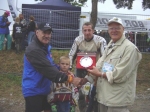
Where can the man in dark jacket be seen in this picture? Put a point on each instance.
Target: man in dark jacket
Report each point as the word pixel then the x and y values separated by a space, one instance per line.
pixel 39 71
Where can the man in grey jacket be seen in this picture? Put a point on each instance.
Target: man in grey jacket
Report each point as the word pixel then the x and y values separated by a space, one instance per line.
pixel 116 71
pixel 86 43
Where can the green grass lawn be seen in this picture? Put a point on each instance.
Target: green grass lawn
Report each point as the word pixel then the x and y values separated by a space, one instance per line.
pixel 12 65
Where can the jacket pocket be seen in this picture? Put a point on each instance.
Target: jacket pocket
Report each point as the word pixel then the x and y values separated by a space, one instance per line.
pixel 114 59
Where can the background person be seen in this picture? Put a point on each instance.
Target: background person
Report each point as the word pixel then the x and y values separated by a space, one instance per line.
pixel 86 43
pixel 24 32
pixel 39 70
pixel 116 71
pixel 31 29
pixel 4 30
pixel 17 34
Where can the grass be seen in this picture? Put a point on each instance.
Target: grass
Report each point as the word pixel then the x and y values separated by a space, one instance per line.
pixel 10 85
pixel 13 63
pixel 144 68
pixel 12 66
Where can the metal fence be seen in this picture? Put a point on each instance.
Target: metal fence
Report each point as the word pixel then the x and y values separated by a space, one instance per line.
pixel 140 39
pixel 68 24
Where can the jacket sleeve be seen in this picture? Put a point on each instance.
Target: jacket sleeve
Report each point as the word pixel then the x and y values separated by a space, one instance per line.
pixel 127 66
pixel 13 33
pixel 73 53
pixel 38 60
pixel 2 23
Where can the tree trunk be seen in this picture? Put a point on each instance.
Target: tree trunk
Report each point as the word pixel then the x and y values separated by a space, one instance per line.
pixel 94 12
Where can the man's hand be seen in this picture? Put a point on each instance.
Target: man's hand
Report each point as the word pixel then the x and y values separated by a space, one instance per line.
pixel 8 23
pixel 94 71
pixel 70 73
pixel 83 81
pixel 76 81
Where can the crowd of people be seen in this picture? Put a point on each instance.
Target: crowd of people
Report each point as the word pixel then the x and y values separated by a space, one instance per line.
pixel 22 32
pixel 45 84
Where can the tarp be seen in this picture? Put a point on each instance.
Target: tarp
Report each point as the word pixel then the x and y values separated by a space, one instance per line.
pixel 63 17
pixel 53 5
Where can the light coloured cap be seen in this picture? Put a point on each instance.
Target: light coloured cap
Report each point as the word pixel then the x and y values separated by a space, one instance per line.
pixel 115 20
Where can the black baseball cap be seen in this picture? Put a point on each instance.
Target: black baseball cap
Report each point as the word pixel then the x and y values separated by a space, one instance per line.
pixel 44 26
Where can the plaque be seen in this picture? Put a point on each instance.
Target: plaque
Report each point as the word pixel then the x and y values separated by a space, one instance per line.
pixel 85 60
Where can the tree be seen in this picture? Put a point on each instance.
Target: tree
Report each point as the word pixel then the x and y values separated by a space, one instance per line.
pixel 79 3
pixel 146 4
pixel 128 4
pixel 94 11
pixel 123 3
pixel 93 15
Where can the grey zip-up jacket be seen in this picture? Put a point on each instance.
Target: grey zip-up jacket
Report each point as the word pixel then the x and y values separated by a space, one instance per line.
pixel 96 45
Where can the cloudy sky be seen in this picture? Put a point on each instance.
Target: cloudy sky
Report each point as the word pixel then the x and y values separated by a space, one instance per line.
pixel 108 7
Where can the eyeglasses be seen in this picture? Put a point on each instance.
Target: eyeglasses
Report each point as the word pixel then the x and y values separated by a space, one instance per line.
pixel 114 28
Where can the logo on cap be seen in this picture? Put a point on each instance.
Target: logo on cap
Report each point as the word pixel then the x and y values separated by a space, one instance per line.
pixel 115 19
pixel 47 25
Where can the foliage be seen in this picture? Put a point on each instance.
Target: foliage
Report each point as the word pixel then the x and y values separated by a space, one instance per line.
pixel 128 4
pixel 76 2
pixel 146 4
pixel 119 3
pixel 123 4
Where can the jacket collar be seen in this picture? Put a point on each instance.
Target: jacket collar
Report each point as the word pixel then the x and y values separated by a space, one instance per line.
pixel 112 46
pixel 119 42
pixel 39 43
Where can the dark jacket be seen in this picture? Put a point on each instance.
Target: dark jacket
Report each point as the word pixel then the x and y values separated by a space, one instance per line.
pixel 39 70
pixel 31 26
pixel 17 30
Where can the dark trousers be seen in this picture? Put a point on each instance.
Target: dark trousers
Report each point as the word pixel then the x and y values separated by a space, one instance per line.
pixel 36 103
pixel 24 41
pixel 93 104
pixel 18 44
pixel 81 102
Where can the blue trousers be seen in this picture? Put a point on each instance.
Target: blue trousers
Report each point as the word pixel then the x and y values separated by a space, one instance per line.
pixel 9 41
pixel 30 36
pixel 2 37
pixel 63 106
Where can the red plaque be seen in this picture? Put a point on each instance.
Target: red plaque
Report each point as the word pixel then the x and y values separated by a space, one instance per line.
pixel 85 60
